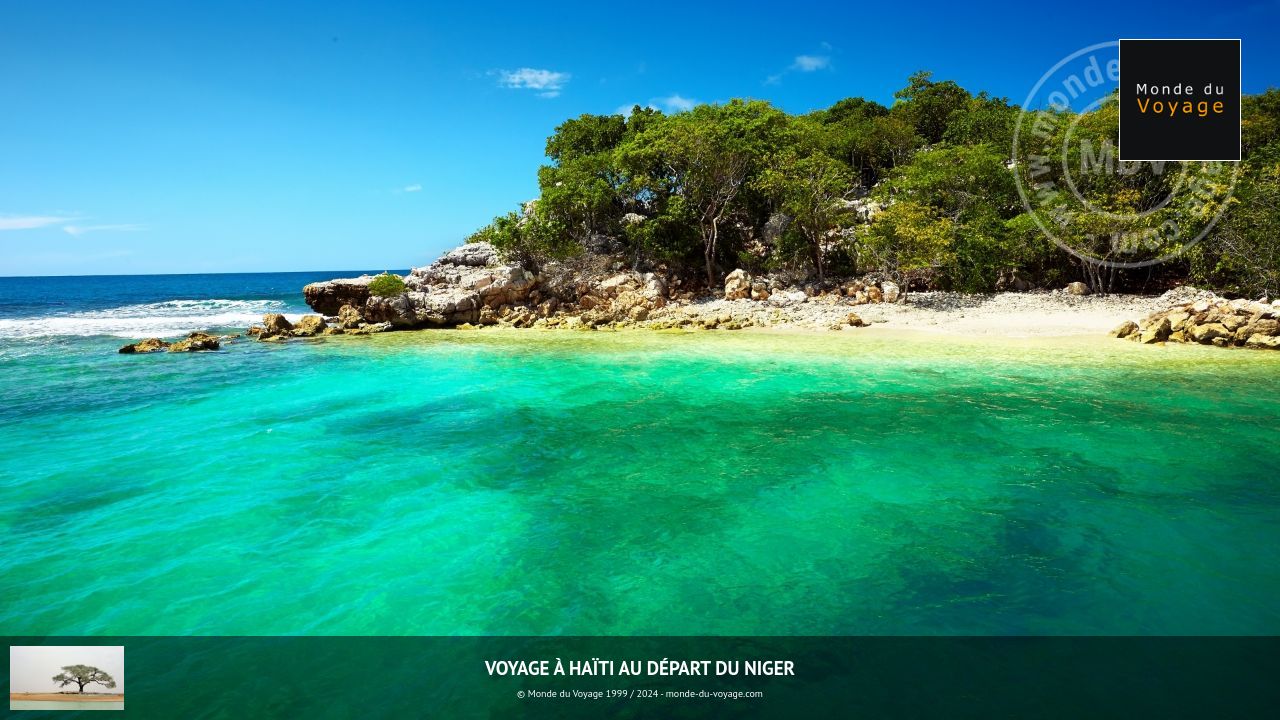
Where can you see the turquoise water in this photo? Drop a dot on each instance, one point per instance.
(63, 705)
(639, 483)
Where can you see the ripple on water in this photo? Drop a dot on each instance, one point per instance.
(639, 483)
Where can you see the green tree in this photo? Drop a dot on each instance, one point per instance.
(705, 156)
(971, 186)
(1260, 115)
(585, 135)
(985, 120)
(530, 238)
(1243, 252)
(810, 188)
(906, 238)
(82, 675)
(864, 135)
(928, 105)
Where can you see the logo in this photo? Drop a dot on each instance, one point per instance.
(1069, 173)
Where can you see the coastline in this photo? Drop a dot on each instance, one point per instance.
(1000, 315)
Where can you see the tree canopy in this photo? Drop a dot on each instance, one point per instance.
(924, 189)
(82, 675)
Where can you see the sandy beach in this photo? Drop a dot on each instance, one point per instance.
(1008, 315)
(1012, 314)
(67, 697)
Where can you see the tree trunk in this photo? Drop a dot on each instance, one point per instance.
(709, 254)
(815, 249)
(81, 684)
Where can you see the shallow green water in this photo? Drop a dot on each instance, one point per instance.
(593, 483)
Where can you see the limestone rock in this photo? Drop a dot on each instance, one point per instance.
(1157, 331)
(655, 289)
(370, 329)
(1204, 318)
(473, 270)
(1207, 333)
(1262, 326)
(349, 317)
(1263, 342)
(477, 254)
(145, 346)
(737, 285)
(875, 294)
(890, 290)
(328, 297)
(784, 298)
(437, 306)
(1077, 288)
(1125, 329)
(195, 342)
(276, 324)
(310, 325)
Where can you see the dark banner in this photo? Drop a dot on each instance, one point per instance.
(490, 677)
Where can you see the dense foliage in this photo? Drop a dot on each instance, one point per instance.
(386, 285)
(923, 191)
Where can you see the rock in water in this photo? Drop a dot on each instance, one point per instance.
(737, 285)
(196, 342)
(1077, 288)
(275, 324)
(145, 346)
(310, 325)
(328, 297)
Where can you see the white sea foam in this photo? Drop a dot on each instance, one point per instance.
(162, 319)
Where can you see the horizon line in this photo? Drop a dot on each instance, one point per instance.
(225, 272)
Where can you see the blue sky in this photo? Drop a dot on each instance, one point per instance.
(147, 137)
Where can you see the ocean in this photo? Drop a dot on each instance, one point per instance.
(632, 483)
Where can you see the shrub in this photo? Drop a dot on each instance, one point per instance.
(386, 285)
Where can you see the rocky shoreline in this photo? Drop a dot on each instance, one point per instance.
(1209, 320)
(471, 287)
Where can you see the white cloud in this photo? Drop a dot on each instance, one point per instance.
(118, 227)
(29, 222)
(549, 83)
(676, 103)
(416, 187)
(811, 63)
(804, 64)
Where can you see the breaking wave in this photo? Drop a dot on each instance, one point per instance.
(160, 319)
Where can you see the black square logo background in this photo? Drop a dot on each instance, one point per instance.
(1197, 63)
